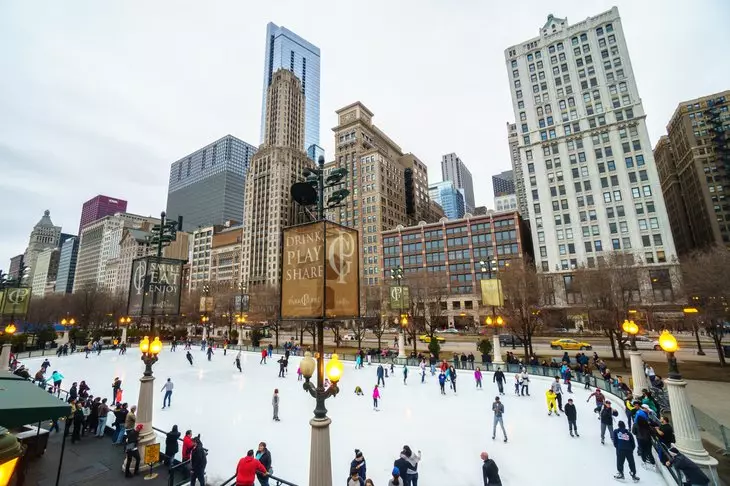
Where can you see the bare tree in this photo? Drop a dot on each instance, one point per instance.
(375, 321)
(264, 308)
(705, 283)
(524, 291)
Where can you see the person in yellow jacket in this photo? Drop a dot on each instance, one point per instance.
(631, 408)
(552, 402)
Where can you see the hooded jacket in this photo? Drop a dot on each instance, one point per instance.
(499, 377)
(623, 440)
(570, 412)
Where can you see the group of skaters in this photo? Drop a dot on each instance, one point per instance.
(404, 472)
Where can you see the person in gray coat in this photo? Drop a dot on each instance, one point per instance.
(275, 404)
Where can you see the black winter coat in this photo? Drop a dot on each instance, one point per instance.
(490, 472)
(692, 472)
(402, 464)
(570, 411)
(607, 415)
(171, 443)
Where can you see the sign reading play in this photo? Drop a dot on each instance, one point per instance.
(320, 269)
(155, 286)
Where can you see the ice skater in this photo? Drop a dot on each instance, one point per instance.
(376, 397)
(551, 405)
(405, 374)
(607, 415)
(299, 373)
(238, 362)
(518, 384)
(380, 372)
(452, 377)
(624, 443)
(423, 372)
(498, 409)
(282, 365)
(478, 377)
(167, 388)
(210, 352)
(275, 404)
(189, 357)
(600, 398)
(264, 354)
(572, 414)
(500, 379)
(525, 390)
(555, 386)
(442, 382)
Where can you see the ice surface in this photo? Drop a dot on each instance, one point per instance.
(232, 412)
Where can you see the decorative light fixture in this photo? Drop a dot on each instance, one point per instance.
(669, 344)
(307, 365)
(10, 328)
(334, 369)
(10, 452)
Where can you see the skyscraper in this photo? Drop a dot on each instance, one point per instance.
(449, 198)
(45, 270)
(44, 235)
(67, 266)
(208, 187)
(519, 181)
(277, 165)
(453, 169)
(286, 50)
(98, 207)
(503, 183)
(586, 158)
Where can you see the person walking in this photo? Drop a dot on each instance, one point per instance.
(376, 397)
(478, 377)
(264, 457)
(551, 402)
(452, 377)
(359, 464)
(490, 471)
(500, 379)
(189, 358)
(247, 469)
(171, 445)
(167, 388)
(624, 443)
(238, 362)
(442, 382)
(380, 372)
(103, 412)
(132, 451)
(275, 404)
(607, 415)
(555, 386)
(498, 409)
(572, 414)
(198, 462)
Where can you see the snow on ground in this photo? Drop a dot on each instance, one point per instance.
(232, 412)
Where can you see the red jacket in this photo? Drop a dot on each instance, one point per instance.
(264, 352)
(187, 448)
(246, 471)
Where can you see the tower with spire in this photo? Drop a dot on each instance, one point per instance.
(44, 235)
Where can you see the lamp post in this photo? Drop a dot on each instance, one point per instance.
(686, 431)
(204, 320)
(320, 458)
(637, 363)
(397, 276)
(687, 312)
(494, 321)
(240, 321)
(10, 452)
(66, 322)
(124, 322)
(6, 348)
(150, 351)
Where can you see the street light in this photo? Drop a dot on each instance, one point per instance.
(146, 396)
(149, 351)
(630, 328)
(68, 321)
(10, 328)
(10, 452)
(334, 370)
(669, 344)
(687, 313)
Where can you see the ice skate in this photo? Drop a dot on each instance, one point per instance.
(619, 476)
(635, 478)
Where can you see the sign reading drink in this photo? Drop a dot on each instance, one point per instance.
(308, 267)
(155, 286)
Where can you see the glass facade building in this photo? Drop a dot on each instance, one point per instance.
(446, 195)
(100, 206)
(208, 186)
(67, 266)
(285, 49)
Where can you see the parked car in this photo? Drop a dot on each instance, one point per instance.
(348, 337)
(425, 338)
(645, 343)
(449, 330)
(509, 340)
(570, 344)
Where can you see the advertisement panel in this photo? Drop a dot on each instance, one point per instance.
(242, 303)
(155, 287)
(14, 301)
(400, 298)
(492, 293)
(343, 272)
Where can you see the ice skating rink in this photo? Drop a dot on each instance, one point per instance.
(232, 412)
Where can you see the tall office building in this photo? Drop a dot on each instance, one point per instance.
(16, 263)
(98, 207)
(585, 152)
(208, 187)
(694, 166)
(67, 266)
(45, 270)
(44, 235)
(387, 187)
(449, 198)
(286, 50)
(503, 183)
(277, 165)
(453, 169)
(519, 181)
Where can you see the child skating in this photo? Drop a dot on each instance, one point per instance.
(376, 397)
(442, 382)
(478, 377)
(552, 402)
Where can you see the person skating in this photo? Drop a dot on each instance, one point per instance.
(525, 389)
(380, 372)
(264, 354)
(189, 357)
(359, 464)
(57, 379)
(210, 352)
(478, 377)
(518, 383)
(452, 378)
(376, 397)
(282, 365)
(572, 414)
(264, 456)
(607, 415)
(423, 371)
(600, 398)
(405, 374)
(693, 475)
(299, 373)
(643, 431)
(411, 474)
(247, 469)
(624, 443)
(167, 388)
(238, 362)
(498, 409)
(171, 445)
(551, 402)
(442, 382)
(558, 392)
(275, 404)
(490, 471)
(396, 479)
(198, 462)
(500, 379)
(131, 450)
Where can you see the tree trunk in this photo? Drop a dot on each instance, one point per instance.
(717, 339)
(621, 349)
(276, 332)
(609, 333)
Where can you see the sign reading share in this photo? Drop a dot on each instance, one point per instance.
(308, 268)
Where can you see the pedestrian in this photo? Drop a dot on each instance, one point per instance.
(355, 479)
(442, 382)
(198, 462)
(103, 412)
(631, 409)
(649, 372)
(551, 402)
(558, 392)
(358, 463)
(525, 389)
(238, 362)
(572, 414)
(116, 386)
(188, 444)
(395, 480)
(78, 421)
(693, 475)
(498, 409)
(171, 445)
(264, 354)
(376, 397)
(500, 379)
(210, 352)
(380, 373)
(264, 457)
(87, 411)
(405, 374)
(189, 357)
(247, 469)
(167, 388)
(518, 383)
(132, 451)
(478, 377)
(130, 421)
(452, 377)
(600, 398)
(665, 432)
(73, 392)
(120, 415)
(282, 365)
(490, 471)
(275, 404)
(607, 415)
(93, 421)
(411, 475)
(84, 390)
(624, 443)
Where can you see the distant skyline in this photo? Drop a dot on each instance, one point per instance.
(100, 98)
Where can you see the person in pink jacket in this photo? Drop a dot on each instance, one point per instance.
(478, 377)
(376, 396)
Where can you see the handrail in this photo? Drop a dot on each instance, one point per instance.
(279, 481)
(662, 453)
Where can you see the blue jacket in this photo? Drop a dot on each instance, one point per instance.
(623, 440)
(380, 371)
(442, 378)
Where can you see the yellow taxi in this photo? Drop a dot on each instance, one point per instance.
(425, 338)
(570, 344)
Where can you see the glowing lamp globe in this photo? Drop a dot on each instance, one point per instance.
(668, 342)
(488, 321)
(156, 346)
(307, 365)
(334, 369)
(144, 345)
(10, 328)
(500, 321)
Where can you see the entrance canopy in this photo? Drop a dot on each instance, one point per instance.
(23, 403)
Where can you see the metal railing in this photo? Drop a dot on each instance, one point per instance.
(661, 455)
(714, 428)
(277, 481)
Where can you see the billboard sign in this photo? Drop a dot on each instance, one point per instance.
(400, 298)
(155, 287)
(14, 301)
(242, 303)
(492, 293)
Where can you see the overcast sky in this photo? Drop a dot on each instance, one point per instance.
(99, 97)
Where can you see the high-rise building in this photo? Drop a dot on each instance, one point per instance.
(208, 187)
(277, 165)
(387, 187)
(519, 181)
(503, 183)
(45, 270)
(225, 256)
(454, 170)
(508, 202)
(584, 149)
(44, 235)
(67, 266)
(98, 207)
(286, 50)
(449, 198)
(16, 263)
(694, 166)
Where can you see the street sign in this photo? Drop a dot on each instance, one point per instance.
(152, 453)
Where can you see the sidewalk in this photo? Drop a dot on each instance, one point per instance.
(89, 462)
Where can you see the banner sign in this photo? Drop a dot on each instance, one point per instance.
(400, 298)
(14, 301)
(155, 286)
(309, 270)
(492, 293)
(152, 453)
(207, 305)
(242, 303)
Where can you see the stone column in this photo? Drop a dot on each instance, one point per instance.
(64, 338)
(5, 357)
(240, 336)
(686, 432)
(401, 344)
(145, 407)
(205, 333)
(320, 456)
(497, 350)
(124, 334)
(637, 372)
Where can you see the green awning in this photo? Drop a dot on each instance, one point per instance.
(22, 402)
